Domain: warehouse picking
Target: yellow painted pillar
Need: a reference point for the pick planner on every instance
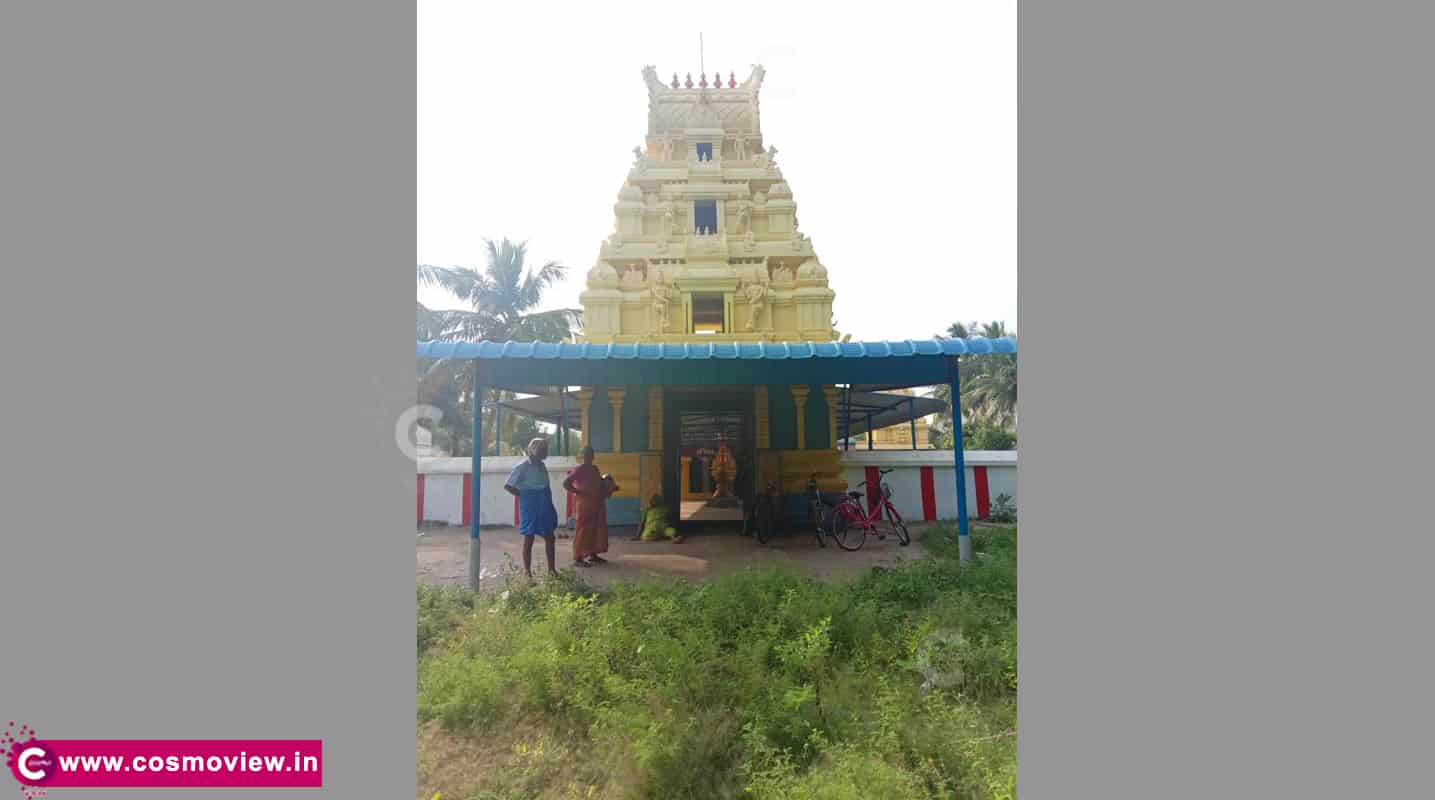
(650, 478)
(761, 418)
(615, 399)
(832, 393)
(585, 400)
(799, 399)
(655, 418)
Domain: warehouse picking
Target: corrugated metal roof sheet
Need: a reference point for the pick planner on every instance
(886, 409)
(520, 366)
(686, 351)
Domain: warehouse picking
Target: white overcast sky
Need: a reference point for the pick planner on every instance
(896, 131)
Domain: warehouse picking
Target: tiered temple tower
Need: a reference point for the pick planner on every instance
(706, 243)
(706, 247)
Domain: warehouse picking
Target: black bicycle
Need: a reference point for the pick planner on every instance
(821, 513)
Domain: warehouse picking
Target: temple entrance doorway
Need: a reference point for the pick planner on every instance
(708, 458)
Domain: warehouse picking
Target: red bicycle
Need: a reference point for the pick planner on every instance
(849, 524)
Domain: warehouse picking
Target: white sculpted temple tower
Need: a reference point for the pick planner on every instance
(706, 243)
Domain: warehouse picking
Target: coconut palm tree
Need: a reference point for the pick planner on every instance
(992, 392)
(988, 384)
(503, 299)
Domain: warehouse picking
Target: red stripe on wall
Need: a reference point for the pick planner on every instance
(468, 498)
(421, 498)
(984, 501)
(874, 487)
(929, 495)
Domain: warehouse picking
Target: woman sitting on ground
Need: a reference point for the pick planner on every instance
(655, 522)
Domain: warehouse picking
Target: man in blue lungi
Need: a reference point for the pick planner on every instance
(537, 516)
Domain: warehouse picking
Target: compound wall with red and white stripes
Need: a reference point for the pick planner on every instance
(921, 482)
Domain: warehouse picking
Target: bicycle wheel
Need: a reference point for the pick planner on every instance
(898, 526)
(819, 523)
(846, 535)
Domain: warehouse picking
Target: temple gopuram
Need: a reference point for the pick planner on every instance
(706, 242)
(706, 247)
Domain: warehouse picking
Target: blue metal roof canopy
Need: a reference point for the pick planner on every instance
(895, 364)
(880, 410)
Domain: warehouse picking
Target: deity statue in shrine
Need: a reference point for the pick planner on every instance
(670, 221)
(662, 295)
(756, 293)
(724, 470)
(744, 216)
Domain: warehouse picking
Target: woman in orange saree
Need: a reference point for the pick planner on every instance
(591, 490)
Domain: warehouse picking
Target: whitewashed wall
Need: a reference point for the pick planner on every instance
(443, 487)
(443, 482)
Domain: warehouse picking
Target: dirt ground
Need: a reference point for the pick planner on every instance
(443, 555)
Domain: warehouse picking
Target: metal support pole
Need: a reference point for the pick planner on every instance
(964, 540)
(870, 435)
(912, 413)
(474, 559)
(497, 422)
(563, 420)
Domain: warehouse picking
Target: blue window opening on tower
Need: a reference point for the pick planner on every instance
(705, 151)
(705, 216)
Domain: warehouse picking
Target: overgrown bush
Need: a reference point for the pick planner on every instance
(761, 684)
(985, 436)
(1002, 510)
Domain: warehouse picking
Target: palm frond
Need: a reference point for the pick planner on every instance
(958, 331)
(994, 330)
(531, 290)
(547, 326)
(469, 286)
(429, 323)
(452, 325)
(505, 261)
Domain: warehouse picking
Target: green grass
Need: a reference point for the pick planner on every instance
(759, 684)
